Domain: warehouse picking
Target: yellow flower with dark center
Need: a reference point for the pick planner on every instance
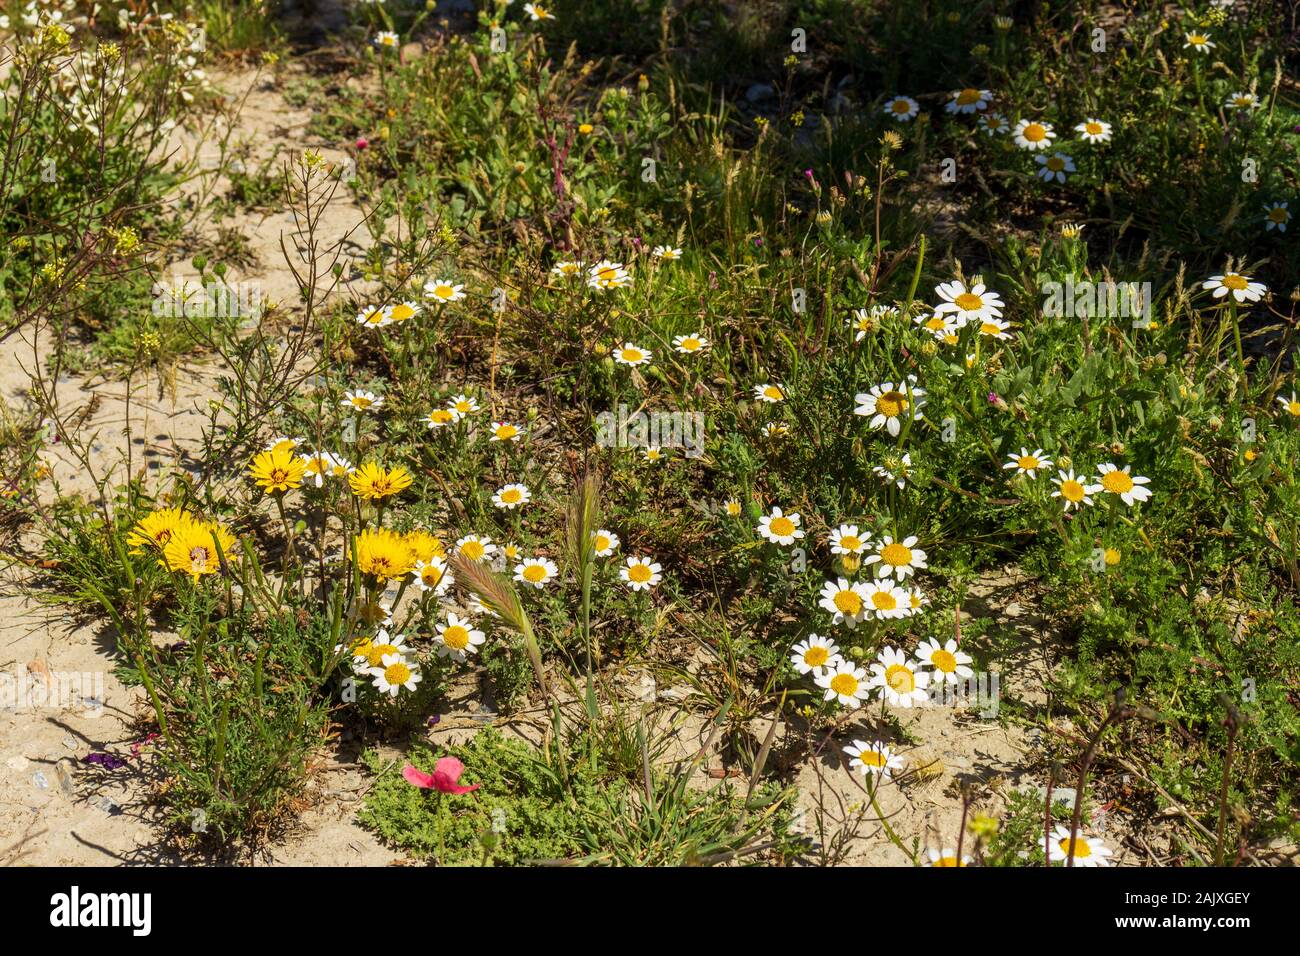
(155, 529)
(383, 554)
(373, 481)
(195, 548)
(277, 470)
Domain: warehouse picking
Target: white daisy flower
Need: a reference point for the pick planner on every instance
(945, 857)
(771, 394)
(536, 571)
(629, 354)
(874, 759)
(457, 637)
(995, 329)
(1094, 131)
(603, 543)
(319, 465)
(606, 275)
(1028, 462)
(886, 599)
(780, 528)
(462, 406)
(901, 681)
(689, 344)
(902, 108)
(846, 539)
(640, 574)
(433, 575)
(1291, 405)
(443, 290)
(1242, 288)
(505, 432)
(375, 317)
(992, 124)
(897, 559)
(1073, 489)
(512, 496)
(538, 12)
(967, 304)
(813, 653)
(1119, 482)
(566, 269)
(1087, 851)
(1054, 167)
(1033, 134)
(362, 401)
(475, 547)
(1276, 216)
(370, 652)
(969, 100)
(387, 39)
(1242, 101)
(1200, 42)
(847, 602)
(666, 253)
(845, 682)
(950, 664)
(394, 674)
(889, 403)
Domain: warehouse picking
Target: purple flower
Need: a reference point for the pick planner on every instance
(105, 760)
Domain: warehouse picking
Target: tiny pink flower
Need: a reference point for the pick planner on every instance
(443, 779)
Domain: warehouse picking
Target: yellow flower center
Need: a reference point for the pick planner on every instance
(1071, 490)
(1117, 482)
(455, 637)
(773, 393)
(896, 554)
(534, 573)
(443, 291)
(884, 601)
(900, 679)
(511, 496)
(431, 574)
(901, 106)
(1197, 39)
(846, 685)
(782, 527)
(631, 355)
(872, 758)
(640, 573)
(440, 416)
(816, 656)
(947, 861)
(850, 543)
(967, 97)
(375, 653)
(607, 274)
(1027, 463)
(934, 323)
(848, 602)
(1055, 163)
(690, 344)
(401, 312)
(472, 550)
(1093, 129)
(1278, 214)
(360, 401)
(600, 543)
(397, 673)
(988, 328)
(944, 661)
(1081, 848)
(1293, 408)
(1234, 281)
(891, 404)
(968, 301)
(1034, 133)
